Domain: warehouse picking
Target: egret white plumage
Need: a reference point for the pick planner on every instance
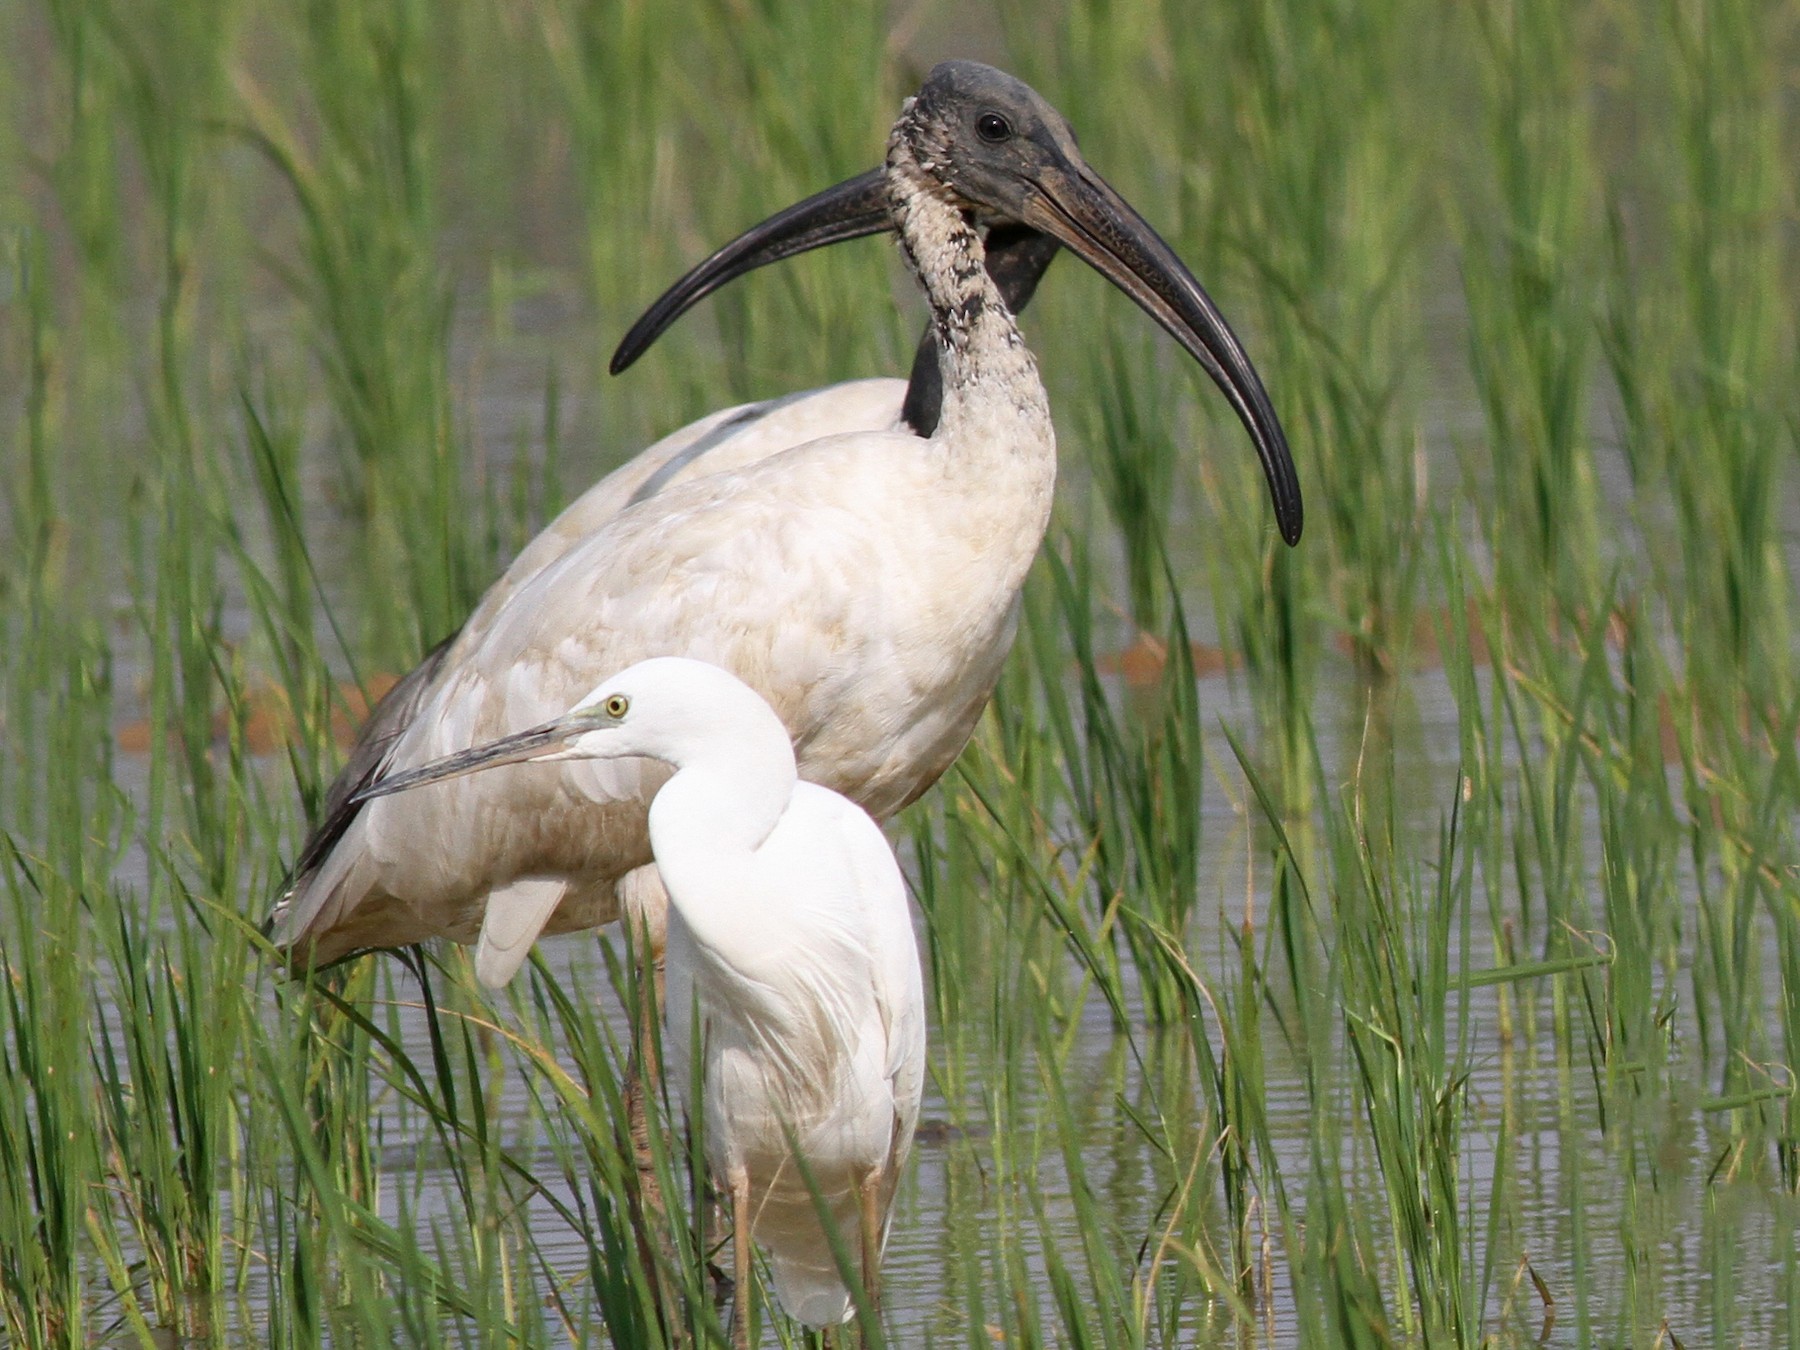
(789, 940)
(863, 583)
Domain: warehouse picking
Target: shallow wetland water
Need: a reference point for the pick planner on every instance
(1391, 941)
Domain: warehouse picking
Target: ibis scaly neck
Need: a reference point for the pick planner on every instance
(988, 372)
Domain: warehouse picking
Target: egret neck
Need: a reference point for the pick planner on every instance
(725, 799)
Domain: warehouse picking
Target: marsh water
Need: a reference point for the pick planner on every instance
(1692, 1249)
(1434, 980)
(1602, 1232)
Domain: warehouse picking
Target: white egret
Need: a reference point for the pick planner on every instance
(790, 940)
(864, 584)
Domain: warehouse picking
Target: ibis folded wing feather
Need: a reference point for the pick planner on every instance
(738, 568)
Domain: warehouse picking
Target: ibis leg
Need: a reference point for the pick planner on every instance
(870, 1198)
(643, 1077)
(644, 1074)
(645, 911)
(739, 1184)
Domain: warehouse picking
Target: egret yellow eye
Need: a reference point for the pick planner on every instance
(616, 706)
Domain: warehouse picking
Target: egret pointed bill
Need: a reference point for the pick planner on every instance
(1013, 160)
(547, 741)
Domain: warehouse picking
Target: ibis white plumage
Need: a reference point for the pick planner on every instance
(862, 582)
(791, 943)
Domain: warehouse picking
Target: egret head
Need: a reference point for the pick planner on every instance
(671, 708)
(1012, 161)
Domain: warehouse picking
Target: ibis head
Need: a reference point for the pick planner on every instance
(997, 148)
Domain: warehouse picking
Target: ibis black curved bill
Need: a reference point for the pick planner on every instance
(851, 210)
(1091, 220)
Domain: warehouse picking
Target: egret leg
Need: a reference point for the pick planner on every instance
(739, 1184)
(870, 1197)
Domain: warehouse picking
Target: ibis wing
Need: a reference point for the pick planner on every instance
(724, 441)
(387, 721)
(720, 442)
(740, 569)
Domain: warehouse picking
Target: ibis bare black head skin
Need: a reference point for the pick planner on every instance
(1012, 161)
(987, 136)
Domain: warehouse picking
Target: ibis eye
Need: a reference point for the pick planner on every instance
(616, 706)
(992, 127)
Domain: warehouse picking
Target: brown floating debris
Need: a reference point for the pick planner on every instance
(1142, 663)
(1423, 648)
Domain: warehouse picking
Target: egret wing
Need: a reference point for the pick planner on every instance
(894, 966)
(860, 958)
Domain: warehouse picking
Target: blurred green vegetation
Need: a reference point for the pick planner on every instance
(1390, 940)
